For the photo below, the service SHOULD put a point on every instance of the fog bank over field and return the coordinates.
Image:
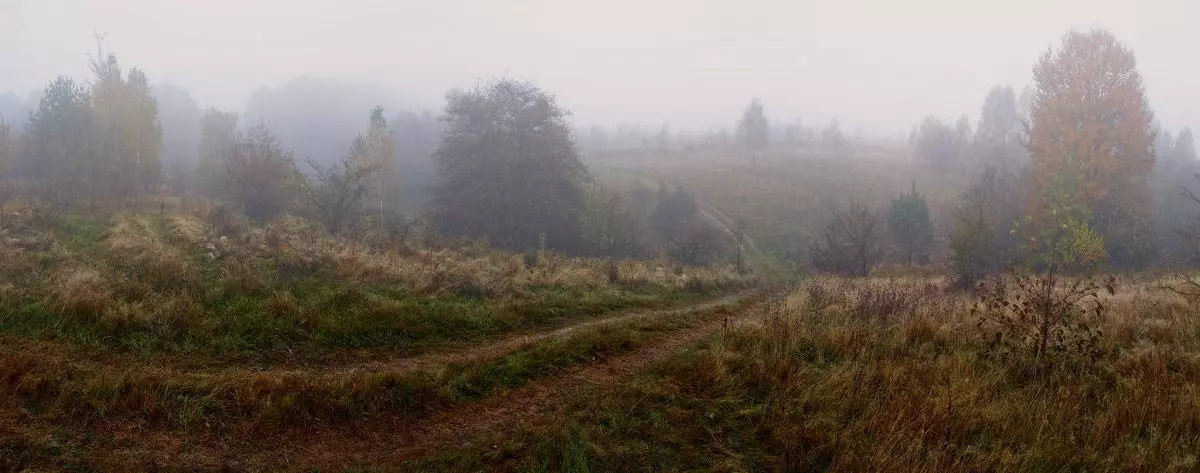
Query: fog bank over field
(878, 66)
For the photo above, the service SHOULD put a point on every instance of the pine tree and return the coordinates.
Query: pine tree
(753, 129)
(59, 162)
(911, 227)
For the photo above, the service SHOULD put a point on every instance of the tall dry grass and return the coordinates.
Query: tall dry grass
(301, 248)
(182, 281)
(893, 376)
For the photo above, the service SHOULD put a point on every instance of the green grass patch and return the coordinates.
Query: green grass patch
(181, 400)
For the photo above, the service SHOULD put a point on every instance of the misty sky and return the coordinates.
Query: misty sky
(878, 65)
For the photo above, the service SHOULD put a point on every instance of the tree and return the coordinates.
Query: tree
(831, 136)
(753, 129)
(942, 147)
(1049, 314)
(795, 132)
(6, 149)
(1092, 142)
(662, 140)
(683, 231)
(612, 226)
(911, 227)
(698, 244)
(934, 144)
(180, 117)
(313, 116)
(259, 174)
(1187, 253)
(217, 133)
(508, 169)
(416, 136)
(334, 194)
(981, 238)
(127, 133)
(1171, 180)
(673, 209)
(848, 243)
(963, 141)
(59, 161)
(376, 151)
(998, 137)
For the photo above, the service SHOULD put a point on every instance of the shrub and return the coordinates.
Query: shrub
(848, 244)
(1043, 316)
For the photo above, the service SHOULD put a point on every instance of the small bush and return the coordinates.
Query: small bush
(1043, 317)
(881, 300)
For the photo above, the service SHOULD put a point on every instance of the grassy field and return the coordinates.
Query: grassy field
(182, 326)
(192, 341)
(169, 283)
(880, 376)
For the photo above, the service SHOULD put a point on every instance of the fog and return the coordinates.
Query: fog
(878, 66)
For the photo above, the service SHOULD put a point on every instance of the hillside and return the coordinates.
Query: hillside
(877, 375)
(780, 197)
(126, 329)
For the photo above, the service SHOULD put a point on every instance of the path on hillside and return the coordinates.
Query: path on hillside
(372, 439)
(462, 354)
(392, 441)
(718, 218)
(451, 429)
(58, 355)
(727, 224)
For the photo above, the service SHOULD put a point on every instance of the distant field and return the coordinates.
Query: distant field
(781, 195)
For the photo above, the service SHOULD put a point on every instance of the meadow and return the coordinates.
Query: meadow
(183, 322)
(882, 375)
(175, 336)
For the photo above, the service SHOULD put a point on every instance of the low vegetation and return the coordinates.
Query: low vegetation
(222, 288)
(884, 375)
(1017, 307)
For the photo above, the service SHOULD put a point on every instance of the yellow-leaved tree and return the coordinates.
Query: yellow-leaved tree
(1092, 144)
(127, 135)
(375, 151)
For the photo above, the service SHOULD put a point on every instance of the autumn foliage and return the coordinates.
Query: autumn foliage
(1091, 143)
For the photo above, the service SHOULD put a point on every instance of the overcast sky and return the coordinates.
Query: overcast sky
(877, 65)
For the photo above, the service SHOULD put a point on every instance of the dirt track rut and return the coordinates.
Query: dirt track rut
(395, 440)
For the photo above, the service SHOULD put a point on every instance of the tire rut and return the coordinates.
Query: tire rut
(506, 345)
(396, 441)
(56, 354)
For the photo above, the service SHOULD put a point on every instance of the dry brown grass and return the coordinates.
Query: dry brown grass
(885, 375)
(302, 247)
(183, 282)
(81, 293)
(913, 392)
(147, 256)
